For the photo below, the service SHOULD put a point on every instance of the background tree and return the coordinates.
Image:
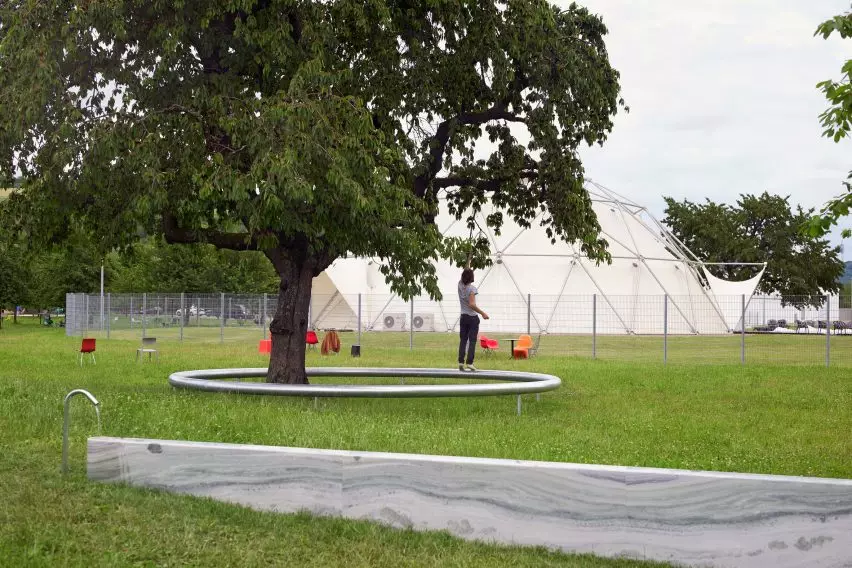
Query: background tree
(70, 266)
(38, 277)
(837, 121)
(153, 265)
(13, 276)
(763, 228)
(304, 129)
(14, 271)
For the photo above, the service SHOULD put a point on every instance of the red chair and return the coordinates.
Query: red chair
(488, 345)
(265, 347)
(311, 339)
(88, 346)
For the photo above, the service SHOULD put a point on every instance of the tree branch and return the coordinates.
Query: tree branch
(484, 184)
(446, 129)
(233, 241)
(497, 112)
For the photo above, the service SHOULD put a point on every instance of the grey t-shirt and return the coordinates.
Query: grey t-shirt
(465, 290)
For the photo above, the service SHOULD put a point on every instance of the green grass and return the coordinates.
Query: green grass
(764, 419)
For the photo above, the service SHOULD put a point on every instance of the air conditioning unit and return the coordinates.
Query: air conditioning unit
(393, 321)
(423, 322)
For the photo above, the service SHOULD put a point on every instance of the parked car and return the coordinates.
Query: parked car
(193, 311)
(239, 311)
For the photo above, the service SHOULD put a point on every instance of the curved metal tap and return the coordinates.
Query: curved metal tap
(67, 420)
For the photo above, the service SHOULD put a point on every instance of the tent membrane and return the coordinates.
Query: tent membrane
(550, 288)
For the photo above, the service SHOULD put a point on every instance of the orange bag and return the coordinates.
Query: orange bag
(331, 342)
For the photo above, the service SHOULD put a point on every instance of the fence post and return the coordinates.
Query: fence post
(130, 311)
(87, 316)
(742, 329)
(222, 318)
(411, 327)
(197, 311)
(827, 330)
(109, 312)
(529, 312)
(182, 314)
(665, 329)
(263, 317)
(144, 311)
(594, 326)
(359, 319)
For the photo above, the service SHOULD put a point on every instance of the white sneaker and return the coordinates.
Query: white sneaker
(461, 367)
(471, 368)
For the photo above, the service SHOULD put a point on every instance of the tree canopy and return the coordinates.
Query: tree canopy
(758, 229)
(837, 122)
(305, 129)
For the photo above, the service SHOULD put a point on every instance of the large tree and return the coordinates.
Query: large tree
(837, 122)
(758, 229)
(305, 129)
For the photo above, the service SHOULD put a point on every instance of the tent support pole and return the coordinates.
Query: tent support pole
(742, 329)
(529, 311)
(665, 329)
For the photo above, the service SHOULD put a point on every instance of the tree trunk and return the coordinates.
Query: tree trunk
(290, 323)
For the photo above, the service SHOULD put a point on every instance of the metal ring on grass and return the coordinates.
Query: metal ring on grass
(511, 382)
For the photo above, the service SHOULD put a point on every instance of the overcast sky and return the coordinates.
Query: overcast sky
(722, 101)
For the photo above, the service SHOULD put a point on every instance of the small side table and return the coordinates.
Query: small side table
(511, 346)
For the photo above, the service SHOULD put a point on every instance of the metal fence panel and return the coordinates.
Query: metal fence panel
(698, 329)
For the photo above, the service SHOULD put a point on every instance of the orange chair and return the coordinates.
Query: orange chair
(88, 346)
(522, 347)
(488, 345)
(311, 339)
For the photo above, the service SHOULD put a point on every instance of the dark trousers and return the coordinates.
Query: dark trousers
(468, 332)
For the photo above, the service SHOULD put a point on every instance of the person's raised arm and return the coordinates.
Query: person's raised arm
(471, 300)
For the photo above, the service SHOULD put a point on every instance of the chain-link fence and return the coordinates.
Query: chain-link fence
(670, 329)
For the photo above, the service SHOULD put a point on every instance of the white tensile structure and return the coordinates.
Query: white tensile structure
(551, 288)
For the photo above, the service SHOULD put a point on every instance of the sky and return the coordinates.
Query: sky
(723, 101)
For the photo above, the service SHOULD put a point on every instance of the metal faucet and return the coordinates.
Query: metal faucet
(67, 420)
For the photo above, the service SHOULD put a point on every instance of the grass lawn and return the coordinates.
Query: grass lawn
(778, 419)
(792, 349)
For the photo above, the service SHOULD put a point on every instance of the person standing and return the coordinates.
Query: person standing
(469, 321)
